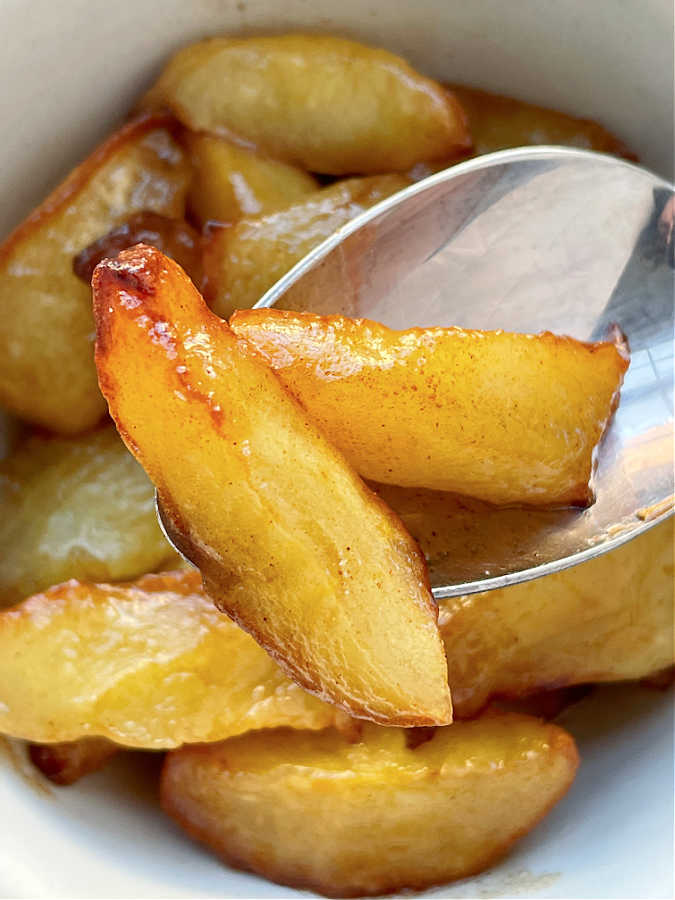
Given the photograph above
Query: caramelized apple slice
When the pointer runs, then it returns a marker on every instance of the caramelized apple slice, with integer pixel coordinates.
(47, 372)
(242, 262)
(609, 619)
(567, 628)
(508, 418)
(75, 508)
(148, 664)
(498, 122)
(319, 102)
(231, 182)
(377, 816)
(289, 541)
(67, 762)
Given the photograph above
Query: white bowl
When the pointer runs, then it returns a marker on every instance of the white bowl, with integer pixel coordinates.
(70, 70)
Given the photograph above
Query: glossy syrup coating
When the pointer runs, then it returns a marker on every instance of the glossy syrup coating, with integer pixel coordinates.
(378, 815)
(319, 102)
(149, 664)
(47, 373)
(508, 418)
(290, 542)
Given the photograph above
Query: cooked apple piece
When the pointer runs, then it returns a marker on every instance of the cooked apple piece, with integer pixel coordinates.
(174, 237)
(562, 629)
(47, 373)
(498, 122)
(345, 819)
(242, 262)
(67, 762)
(148, 664)
(508, 418)
(319, 102)
(75, 508)
(231, 182)
(609, 619)
(289, 541)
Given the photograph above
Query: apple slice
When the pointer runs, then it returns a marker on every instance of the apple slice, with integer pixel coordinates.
(289, 541)
(231, 182)
(243, 261)
(380, 815)
(508, 418)
(320, 102)
(498, 122)
(149, 664)
(47, 373)
(78, 507)
(67, 762)
(608, 619)
(174, 237)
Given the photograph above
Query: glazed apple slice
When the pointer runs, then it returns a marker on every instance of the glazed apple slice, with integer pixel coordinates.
(47, 373)
(148, 664)
(231, 182)
(498, 122)
(507, 418)
(393, 811)
(320, 102)
(567, 628)
(77, 507)
(289, 541)
(243, 261)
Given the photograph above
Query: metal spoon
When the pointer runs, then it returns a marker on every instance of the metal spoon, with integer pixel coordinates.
(543, 238)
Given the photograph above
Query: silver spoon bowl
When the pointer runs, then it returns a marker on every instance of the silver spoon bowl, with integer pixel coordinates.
(543, 238)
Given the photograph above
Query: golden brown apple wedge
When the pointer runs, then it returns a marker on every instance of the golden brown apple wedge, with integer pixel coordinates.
(345, 819)
(67, 762)
(231, 182)
(242, 262)
(319, 102)
(289, 541)
(47, 372)
(498, 122)
(149, 664)
(75, 508)
(609, 619)
(508, 418)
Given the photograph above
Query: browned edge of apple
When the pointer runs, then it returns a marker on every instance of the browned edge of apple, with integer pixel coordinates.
(62, 195)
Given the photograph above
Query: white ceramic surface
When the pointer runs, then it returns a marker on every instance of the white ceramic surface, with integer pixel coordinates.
(69, 71)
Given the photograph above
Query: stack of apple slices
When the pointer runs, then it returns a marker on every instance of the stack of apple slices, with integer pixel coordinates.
(234, 427)
(300, 680)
